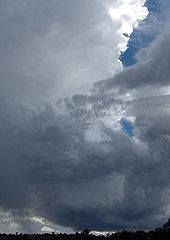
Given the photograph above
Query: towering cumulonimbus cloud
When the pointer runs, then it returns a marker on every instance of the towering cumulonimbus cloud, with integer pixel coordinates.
(54, 50)
(70, 164)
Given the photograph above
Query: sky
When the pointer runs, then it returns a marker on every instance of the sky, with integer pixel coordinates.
(84, 115)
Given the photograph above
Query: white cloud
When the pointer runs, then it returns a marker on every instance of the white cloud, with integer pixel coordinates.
(128, 14)
(47, 229)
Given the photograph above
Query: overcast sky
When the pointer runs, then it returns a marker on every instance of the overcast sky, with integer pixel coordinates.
(84, 141)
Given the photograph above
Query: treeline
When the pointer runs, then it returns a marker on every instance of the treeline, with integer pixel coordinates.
(157, 234)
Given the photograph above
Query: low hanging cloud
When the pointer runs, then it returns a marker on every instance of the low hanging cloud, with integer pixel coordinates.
(55, 162)
(69, 164)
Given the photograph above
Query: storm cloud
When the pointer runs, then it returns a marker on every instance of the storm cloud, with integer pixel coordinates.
(64, 158)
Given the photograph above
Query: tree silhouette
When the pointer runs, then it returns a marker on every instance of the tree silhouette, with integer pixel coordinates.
(167, 225)
(162, 233)
(86, 232)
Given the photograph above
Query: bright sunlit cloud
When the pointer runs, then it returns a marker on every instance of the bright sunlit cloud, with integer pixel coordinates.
(47, 229)
(128, 14)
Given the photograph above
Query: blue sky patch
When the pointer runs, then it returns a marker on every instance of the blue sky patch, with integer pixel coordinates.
(127, 127)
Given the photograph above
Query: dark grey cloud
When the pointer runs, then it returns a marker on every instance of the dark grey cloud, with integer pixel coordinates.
(60, 175)
(59, 171)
